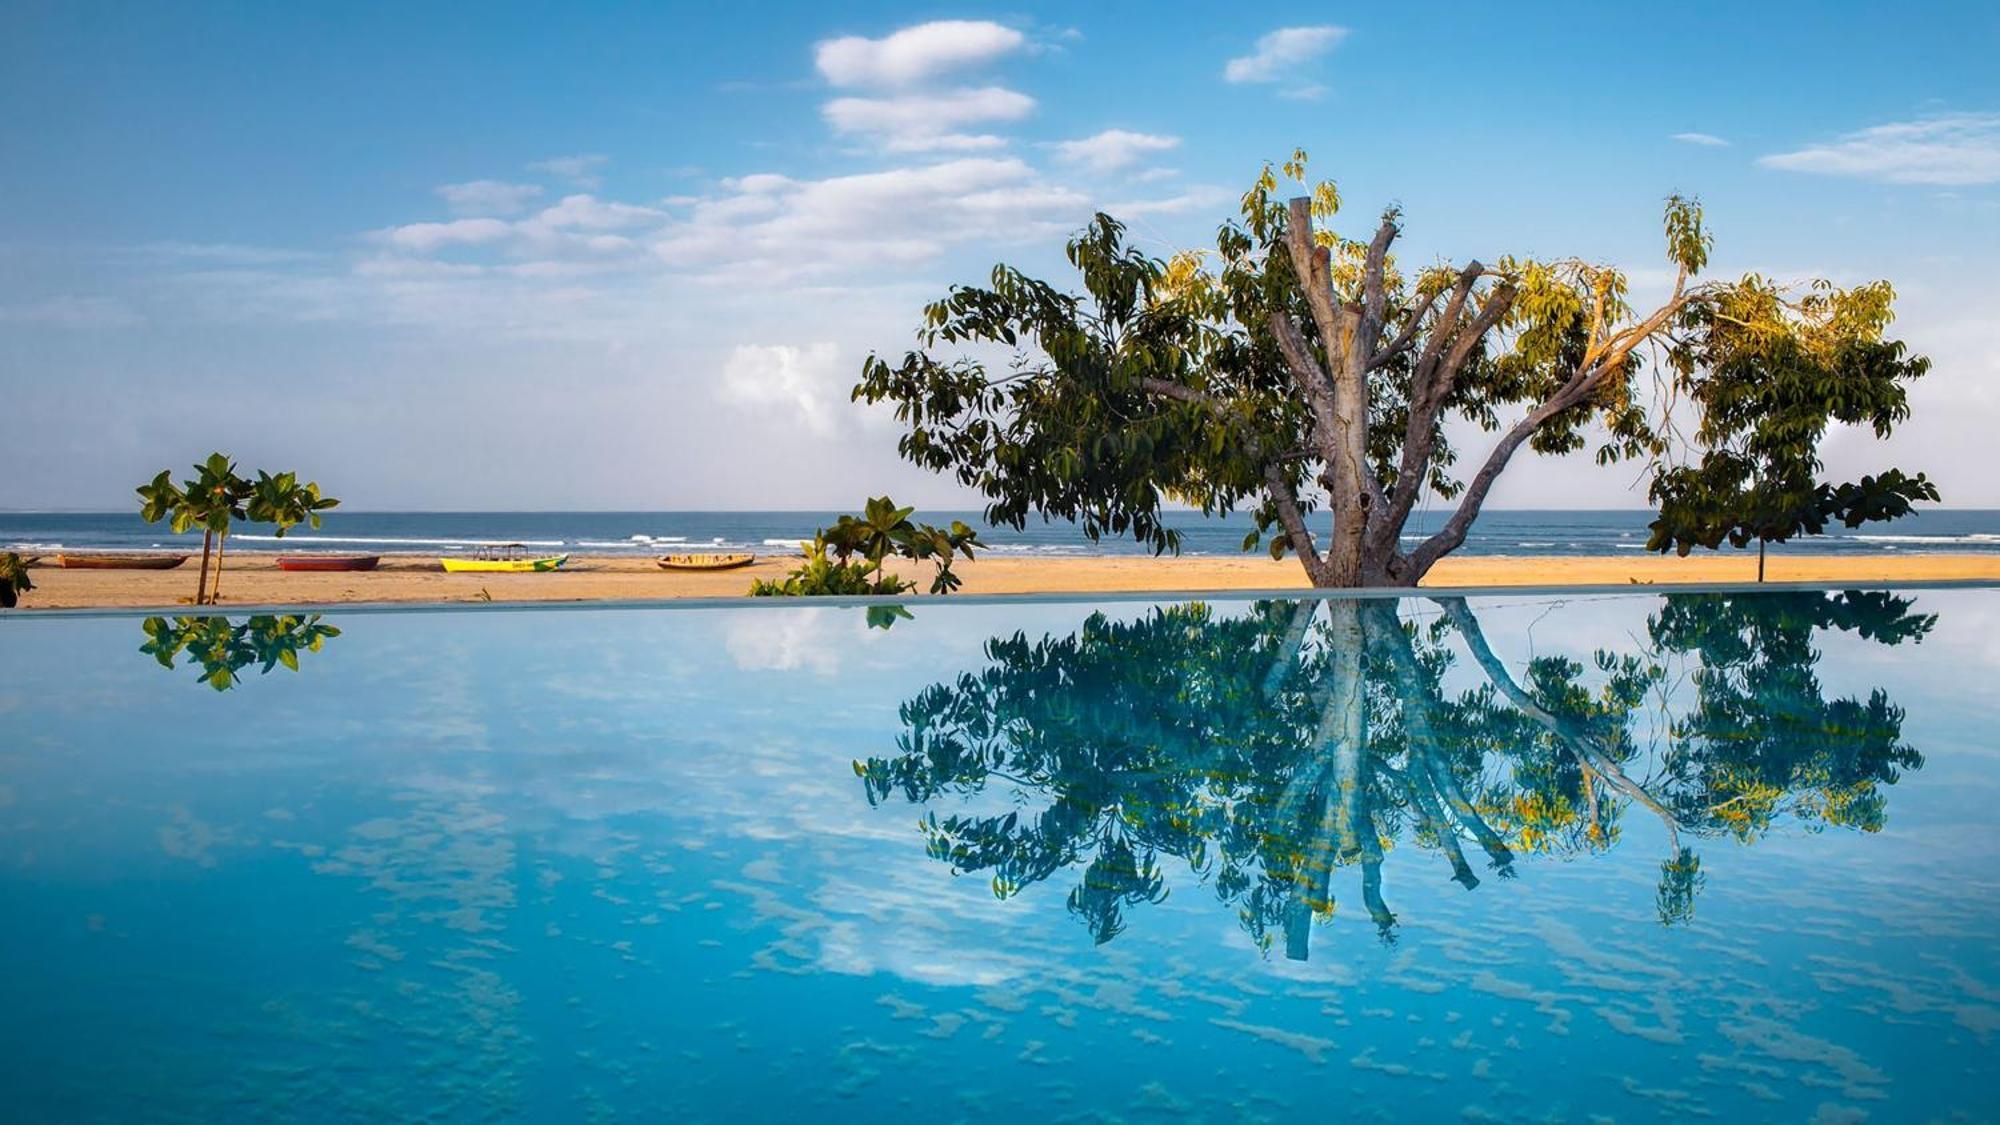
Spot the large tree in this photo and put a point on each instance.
(1292, 366)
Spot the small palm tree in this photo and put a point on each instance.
(216, 499)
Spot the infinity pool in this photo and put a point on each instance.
(1598, 857)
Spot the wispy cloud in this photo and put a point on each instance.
(71, 311)
(1708, 139)
(1281, 55)
(1113, 149)
(487, 197)
(581, 169)
(1954, 149)
(929, 122)
(914, 54)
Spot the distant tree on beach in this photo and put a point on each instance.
(14, 580)
(1292, 363)
(216, 499)
(851, 556)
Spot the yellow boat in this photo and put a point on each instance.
(502, 558)
(705, 562)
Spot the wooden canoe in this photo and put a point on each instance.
(119, 562)
(503, 566)
(705, 562)
(328, 562)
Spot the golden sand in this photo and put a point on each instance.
(255, 580)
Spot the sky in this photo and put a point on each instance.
(611, 256)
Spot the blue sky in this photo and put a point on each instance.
(606, 256)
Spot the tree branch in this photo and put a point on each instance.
(1429, 391)
(1286, 499)
(1419, 309)
(1173, 390)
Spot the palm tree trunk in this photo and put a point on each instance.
(201, 582)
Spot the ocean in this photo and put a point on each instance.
(1516, 532)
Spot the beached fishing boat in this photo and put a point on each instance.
(502, 558)
(705, 562)
(328, 562)
(119, 562)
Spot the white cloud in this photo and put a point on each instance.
(428, 238)
(591, 213)
(1280, 53)
(774, 227)
(1708, 139)
(1947, 150)
(808, 383)
(914, 54)
(487, 197)
(581, 169)
(1113, 149)
(929, 122)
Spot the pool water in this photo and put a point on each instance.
(1597, 857)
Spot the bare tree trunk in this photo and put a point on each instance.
(215, 591)
(1760, 559)
(201, 580)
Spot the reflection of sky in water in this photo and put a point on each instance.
(582, 864)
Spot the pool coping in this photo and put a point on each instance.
(1289, 593)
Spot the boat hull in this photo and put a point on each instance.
(328, 562)
(503, 566)
(705, 562)
(120, 562)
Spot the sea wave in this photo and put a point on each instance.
(1976, 537)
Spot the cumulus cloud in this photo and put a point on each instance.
(1113, 149)
(807, 383)
(487, 197)
(914, 54)
(776, 227)
(1708, 139)
(581, 169)
(1955, 149)
(928, 122)
(1280, 54)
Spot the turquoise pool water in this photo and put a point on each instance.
(1622, 857)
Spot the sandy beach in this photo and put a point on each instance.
(253, 579)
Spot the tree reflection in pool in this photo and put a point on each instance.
(1278, 751)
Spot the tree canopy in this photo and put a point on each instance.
(1293, 366)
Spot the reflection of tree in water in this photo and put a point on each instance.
(222, 648)
(1271, 749)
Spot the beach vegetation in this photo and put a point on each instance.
(1293, 368)
(851, 556)
(14, 580)
(216, 499)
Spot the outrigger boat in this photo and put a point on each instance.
(119, 562)
(705, 562)
(502, 558)
(328, 562)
